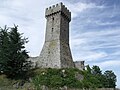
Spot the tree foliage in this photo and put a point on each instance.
(13, 56)
(96, 70)
(88, 69)
(99, 80)
(56, 78)
(110, 79)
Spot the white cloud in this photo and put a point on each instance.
(116, 53)
(108, 64)
(94, 56)
(95, 46)
(96, 39)
(89, 56)
(31, 19)
(77, 8)
(4, 19)
(77, 41)
(105, 23)
(29, 16)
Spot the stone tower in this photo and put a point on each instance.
(56, 52)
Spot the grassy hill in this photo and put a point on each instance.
(53, 78)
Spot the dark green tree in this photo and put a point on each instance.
(110, 79)
(96, 70)
(4, 50)
(88, 69)
(13, 56)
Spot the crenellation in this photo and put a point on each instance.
(50, 7)
(58, 8)
(60, 3)
(53, 6)
(65, 9)
(46, 8)
(63, 6)
(56, 5)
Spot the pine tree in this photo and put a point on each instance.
(4, 50)
(13, 56)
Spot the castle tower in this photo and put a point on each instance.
(56, 51)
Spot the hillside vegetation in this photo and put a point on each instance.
(74, 78)
(16, 72)
(58, 78)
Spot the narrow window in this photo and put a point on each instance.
(53, 18)
(52, 29)
(52, 23)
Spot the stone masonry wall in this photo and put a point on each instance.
(56, 51)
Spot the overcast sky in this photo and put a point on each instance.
(94, 29)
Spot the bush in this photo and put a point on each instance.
(55, 78)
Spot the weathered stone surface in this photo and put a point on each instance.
(56, 51)
(80, 65)
(78, 76)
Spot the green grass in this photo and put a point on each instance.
(54, 79)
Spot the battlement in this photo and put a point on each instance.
(58, 8)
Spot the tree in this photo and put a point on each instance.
(88, 69)
(13, 56)
(96, 70)
(4, 50)
(110, 79)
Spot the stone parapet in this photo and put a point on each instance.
(58, 8)
(80, 65)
